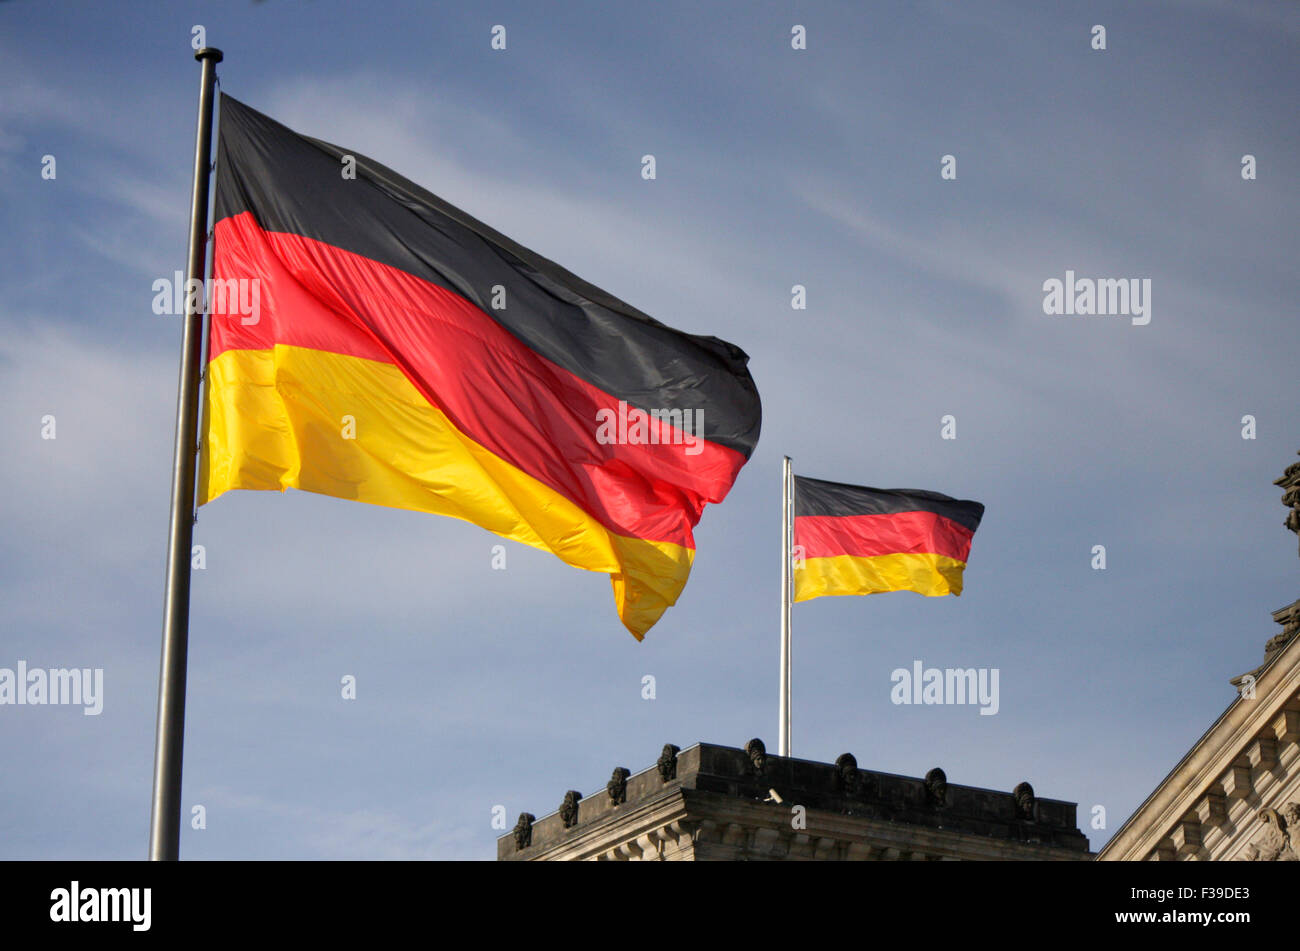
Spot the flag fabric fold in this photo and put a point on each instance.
(856, 540)
(405, 354)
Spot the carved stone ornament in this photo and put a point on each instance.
(617, 786)
(846, 775)
(668, 762)
(936, 788)
(1280, 839)
(1290, 483)
(1289, 616)
(757, 753)
(524, 831)
(569, 808)
(1024, 794)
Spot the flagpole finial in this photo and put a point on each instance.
(209, 52)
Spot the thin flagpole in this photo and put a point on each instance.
(787, 583)
(165, 816)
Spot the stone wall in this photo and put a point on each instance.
(722, 803)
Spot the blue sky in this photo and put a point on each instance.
(775, 167)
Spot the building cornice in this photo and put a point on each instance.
(717, 802)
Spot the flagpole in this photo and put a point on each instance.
(165, 816)
(787, 583)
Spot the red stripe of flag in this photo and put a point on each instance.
(825, 536)
(498, 391)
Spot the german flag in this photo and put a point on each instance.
(405, 354)
(857, 540)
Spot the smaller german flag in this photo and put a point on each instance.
(857, 540)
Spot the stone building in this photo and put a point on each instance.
(711, 803)
(1236, 793)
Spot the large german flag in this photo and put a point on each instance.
(857, 540)
(408, 355)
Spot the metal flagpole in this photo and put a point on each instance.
(165, 817)
(787, 584)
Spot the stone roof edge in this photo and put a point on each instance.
(700, 743)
